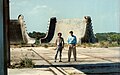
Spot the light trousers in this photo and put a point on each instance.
(72, 48)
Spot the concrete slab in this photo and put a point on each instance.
(73, 71)
(56, 72)
(89, 60)
(30, 71)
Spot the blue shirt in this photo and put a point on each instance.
(72, 39)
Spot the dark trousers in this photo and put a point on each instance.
(59, 49)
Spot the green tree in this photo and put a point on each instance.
(111, 36)
(36, 35)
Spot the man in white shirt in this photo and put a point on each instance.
(60, 45)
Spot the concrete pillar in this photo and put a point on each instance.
(3, 63)
(6, 30)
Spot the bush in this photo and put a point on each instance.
(104, 44)
(23, 63)
(26, 62)
(44, 45)
(114, 44)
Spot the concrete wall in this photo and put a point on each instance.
(18, 32)
(82, 29)
(78, 26)
(15, 32)
(50, 32)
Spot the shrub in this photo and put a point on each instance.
(104, 44)
(26, 62)
(45, 45)
(23, 63)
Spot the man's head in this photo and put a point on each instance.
(71, 32)
(59, 34)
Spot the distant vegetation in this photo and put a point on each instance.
(36, 35)
(111, 37)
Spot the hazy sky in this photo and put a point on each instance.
(105, 14)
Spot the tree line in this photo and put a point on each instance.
(111, 37)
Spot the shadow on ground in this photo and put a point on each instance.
(91, 69)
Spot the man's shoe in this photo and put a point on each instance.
(60, 61)
(55, 61)
(75, 60)
(68, 60)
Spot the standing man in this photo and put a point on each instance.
(60, 45)
(72, 45)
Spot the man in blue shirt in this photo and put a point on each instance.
(72, 41)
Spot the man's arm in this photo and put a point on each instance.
(56, 42)
(63, 42)
(75, 40)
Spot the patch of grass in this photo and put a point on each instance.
(100, 44)
(27, 63)
(45, 45)
(114, 44)
(104, 44)
(23, 63)
(79, 45)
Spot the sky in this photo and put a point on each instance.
(105, 14)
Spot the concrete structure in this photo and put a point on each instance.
(18, 32)
(82, 28)
(51, 31)
(3, 62)
(1, 40)
(78, 26)
(6, 31)
(15, 32)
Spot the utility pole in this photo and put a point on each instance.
(3, 58)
